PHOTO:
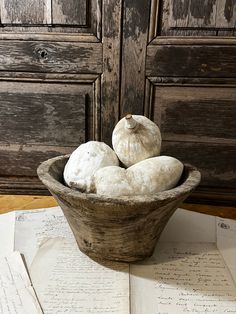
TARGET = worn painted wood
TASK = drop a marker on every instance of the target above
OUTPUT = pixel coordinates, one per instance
(127, 228)
(135, 38)
(200, 18)
(72, 12)
(49, 114)
(110, 91)
(196, 114)
(24, 12)
(50, 57)
(195, 61)
(23, 160)
(215, 161)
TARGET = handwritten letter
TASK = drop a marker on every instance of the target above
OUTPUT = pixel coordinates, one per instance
(16, 292)
(67, 281)
(183, 278)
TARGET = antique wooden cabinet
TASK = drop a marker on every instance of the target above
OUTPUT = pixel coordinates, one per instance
(69, 69)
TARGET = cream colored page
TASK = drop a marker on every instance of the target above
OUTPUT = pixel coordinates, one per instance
(183, 278)
(16, 292)
(33, 227)
(67, 281)
(226, 242)
(7, 231)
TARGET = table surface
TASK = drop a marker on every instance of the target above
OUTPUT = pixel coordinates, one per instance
(14, 202)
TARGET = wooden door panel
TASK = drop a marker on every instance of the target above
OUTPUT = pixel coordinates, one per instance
(196, 113)
(42, 113)
(69, 12)
(64, 16)
(194, 60)
(45, 56)
(197, 127)
(215, 161)
(201, 18)
(40, 121)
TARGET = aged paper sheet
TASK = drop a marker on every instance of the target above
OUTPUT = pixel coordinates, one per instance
(7, 233)
(32, 227)
(17, 295)
(226, 242)
(67, 281)
(183, 278)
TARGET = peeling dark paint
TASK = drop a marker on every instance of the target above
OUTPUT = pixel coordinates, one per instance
(136, 18)
(202, 9)
(229, 8)
(72, 11)
(180, 9)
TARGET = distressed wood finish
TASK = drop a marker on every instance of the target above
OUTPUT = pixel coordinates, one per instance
(135, 38)
(24, 12)
(127, 228)
(71, 12)
(186, 113)
(58, 16)
(42, 113)
(33, 56)
(201, 18)
(110, 92)
(194, 60)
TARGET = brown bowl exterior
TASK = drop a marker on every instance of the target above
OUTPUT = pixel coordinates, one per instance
(120, 229)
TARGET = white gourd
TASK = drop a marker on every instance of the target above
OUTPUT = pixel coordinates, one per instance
(155, 174)
(136, 138)
(85, 161)
(147, 177)
(112, 181)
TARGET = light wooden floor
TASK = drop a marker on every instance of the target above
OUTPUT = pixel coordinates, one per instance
(13, 202)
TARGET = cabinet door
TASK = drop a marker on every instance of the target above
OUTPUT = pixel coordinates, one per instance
(59, 73)
(181, 73)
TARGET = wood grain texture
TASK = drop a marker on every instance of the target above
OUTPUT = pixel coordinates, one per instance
(197, 114)
(127, 228)
(194, 61)
(69, 12)
(24, 12)
(110, 92)
(31, 56)
(199, 18)
(135, 38)
(42, 113)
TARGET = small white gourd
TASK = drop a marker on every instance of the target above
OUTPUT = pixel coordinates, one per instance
(147, 177)
(155, 174)
(136, 138)
(112, 181)
(85, 161)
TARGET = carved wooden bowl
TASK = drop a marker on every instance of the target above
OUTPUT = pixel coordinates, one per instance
(122, 229)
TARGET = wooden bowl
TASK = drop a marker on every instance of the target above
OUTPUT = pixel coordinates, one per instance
(121, 229)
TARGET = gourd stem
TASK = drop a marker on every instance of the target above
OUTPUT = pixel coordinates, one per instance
(130, 122)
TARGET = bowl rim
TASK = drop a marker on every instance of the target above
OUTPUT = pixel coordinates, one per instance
(56, 187)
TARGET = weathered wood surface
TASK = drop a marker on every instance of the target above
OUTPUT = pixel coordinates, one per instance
(194, 60)
(32, 56)
(215, 161)
(41, 113)
(201, 18)
(198, 127)
(59, 16)
(196, 114)
(21, 161)
(127, 228)
(71, 12)
(40, 12)
(110, 91)
(135, 38)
